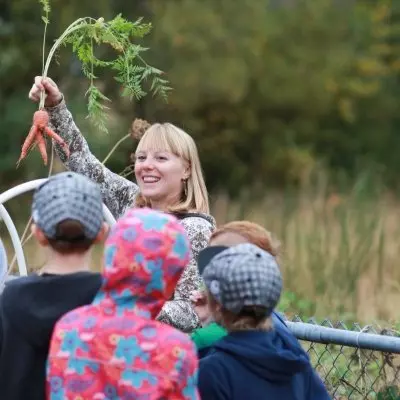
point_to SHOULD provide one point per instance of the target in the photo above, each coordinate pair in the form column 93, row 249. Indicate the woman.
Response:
column 169, row 179
column 230, row 234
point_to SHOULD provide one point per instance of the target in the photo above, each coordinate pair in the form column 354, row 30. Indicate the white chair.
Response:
column 5, row 216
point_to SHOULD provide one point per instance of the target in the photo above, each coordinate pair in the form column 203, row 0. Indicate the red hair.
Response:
column 260, row 237
column 253, row 232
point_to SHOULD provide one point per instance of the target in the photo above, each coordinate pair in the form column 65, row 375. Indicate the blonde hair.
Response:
column 168, row 137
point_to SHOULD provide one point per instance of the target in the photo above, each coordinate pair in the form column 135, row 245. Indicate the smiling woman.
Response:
column 169, row 178
column 168, row 171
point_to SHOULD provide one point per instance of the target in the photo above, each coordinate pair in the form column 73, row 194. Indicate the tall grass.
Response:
column 340, row 245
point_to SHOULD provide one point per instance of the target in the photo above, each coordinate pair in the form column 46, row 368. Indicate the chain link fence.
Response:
column 354, row 362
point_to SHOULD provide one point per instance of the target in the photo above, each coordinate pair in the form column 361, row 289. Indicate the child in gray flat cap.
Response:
column 254, row 361
column 67, row 213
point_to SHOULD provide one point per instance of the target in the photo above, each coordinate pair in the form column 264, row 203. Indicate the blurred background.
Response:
column 294, row 106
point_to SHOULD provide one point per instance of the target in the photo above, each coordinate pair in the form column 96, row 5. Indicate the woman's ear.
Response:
column 39, row 235
column 187, row 171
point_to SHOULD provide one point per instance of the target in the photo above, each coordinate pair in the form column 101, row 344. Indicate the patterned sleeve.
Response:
column 179, row 311
column 118, row 192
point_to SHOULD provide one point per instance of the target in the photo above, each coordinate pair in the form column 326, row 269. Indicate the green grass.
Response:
column 340, row 251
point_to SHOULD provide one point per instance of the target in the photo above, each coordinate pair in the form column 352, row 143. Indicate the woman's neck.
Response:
column 159, row 206
column 164, row 204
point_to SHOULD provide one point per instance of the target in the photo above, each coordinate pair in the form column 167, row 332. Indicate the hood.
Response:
column 145, row 255
column 33, row 304
column 274, row 355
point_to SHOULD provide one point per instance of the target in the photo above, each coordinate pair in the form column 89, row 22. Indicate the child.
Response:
column 254, row 360
column 232, row 233
column 114, row 348
column 67, row 221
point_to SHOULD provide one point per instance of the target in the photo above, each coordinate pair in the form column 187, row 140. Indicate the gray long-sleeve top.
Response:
column 120, row 194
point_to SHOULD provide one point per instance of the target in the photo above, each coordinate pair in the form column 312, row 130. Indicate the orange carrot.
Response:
column 28, row 142
column 35, row 136
column 42, row 148
column 58, row 139
column 41, row 119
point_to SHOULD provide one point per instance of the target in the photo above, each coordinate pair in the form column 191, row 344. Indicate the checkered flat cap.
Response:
column 244, row 275
column 68, row 195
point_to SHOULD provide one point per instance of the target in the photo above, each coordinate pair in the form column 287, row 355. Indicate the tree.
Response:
column 278, row 88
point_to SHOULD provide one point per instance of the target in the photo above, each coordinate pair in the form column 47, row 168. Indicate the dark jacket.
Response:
column 271, row 365
column 29, row 308
column 205, row 337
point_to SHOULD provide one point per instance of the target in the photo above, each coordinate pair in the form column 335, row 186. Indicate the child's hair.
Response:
column 250, row 318
column 70, row 238
column 254, row 233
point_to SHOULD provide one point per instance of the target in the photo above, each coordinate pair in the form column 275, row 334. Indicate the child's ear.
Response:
column 39, row 235
column 103, row 233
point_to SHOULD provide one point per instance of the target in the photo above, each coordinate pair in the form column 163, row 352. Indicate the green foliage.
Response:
column 302, row 85
column 118, row 33
column 131, row 70
column 46, row 9
column 306, row 85
column 293, row 304
column 96, row 108
column 389, row 393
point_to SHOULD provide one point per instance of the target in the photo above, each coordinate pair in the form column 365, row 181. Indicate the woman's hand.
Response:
column 53, row 94
column 200, row 305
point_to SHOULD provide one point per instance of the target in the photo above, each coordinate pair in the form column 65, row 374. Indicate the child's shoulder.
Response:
column 76, row 318
column 208, row 335
column 15, row 282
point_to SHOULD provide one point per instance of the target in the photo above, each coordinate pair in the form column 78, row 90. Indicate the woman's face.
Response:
column 160, row 176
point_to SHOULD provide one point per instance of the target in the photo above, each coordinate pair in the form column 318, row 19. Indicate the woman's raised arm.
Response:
column 118, row 192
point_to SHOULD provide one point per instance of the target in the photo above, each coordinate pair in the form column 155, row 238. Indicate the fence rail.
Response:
column 355, row 363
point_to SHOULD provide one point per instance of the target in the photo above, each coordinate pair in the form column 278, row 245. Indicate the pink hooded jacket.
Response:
column 114, row 349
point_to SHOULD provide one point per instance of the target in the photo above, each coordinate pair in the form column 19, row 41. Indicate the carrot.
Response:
column 58, row 139
column 41, row 119
column 28, row 142
column 42, row 148
column 35, row 136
